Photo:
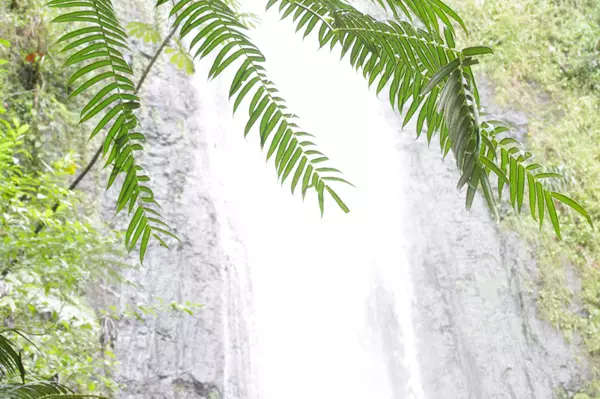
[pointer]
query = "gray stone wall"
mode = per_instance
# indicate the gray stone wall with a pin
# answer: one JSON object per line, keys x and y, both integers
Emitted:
{"x": 175, "y": 355}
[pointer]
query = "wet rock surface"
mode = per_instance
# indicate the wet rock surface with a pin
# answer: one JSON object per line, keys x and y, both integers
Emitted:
{"x": 475, "y": 312}
{"x": 475, "y": 308}
{"x": 175, "y": 355}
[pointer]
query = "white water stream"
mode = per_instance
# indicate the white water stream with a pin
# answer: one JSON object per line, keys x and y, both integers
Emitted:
{"x": 332, "y": 298}
{"x": 408, "y": 296}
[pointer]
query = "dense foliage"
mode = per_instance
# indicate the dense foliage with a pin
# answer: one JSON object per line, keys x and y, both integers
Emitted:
{"x": 54, "y": 251}
{"x": 46, "y": 273}
{"x": 49, "y": 254}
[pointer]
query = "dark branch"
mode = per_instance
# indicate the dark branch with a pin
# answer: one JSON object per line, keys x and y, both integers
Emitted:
{"x": 96, "y": 156}
{"x": 153, "y": 60}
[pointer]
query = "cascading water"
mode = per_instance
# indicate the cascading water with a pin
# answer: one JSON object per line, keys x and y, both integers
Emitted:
{"x": 408, "y": 296}
{"x": 332, "y": 297}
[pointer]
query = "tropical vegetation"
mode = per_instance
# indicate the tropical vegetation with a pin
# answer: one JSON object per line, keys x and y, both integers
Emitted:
{"x": 412, "y": 56}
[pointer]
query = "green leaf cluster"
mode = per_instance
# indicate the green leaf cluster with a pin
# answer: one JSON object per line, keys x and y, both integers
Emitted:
{"x": 181, "y": 58}
{"x": 214, "y": 27}
{"x": 428, "y": 77}
{"x": 44, "y": 276}
{"x": 145, "y": 31}
{"x": 11, "y": 364}
{"x": 412, "y": 55}
{"x": 96, "y": 46}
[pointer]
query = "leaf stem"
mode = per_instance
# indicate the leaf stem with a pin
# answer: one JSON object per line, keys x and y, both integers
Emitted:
{"x": 408, "y": 37}
{"x": 273, "y": 99}
{"x": 153, "y": 60}
{"x": 40, "y": 226}
{"x": 315, "y": 14}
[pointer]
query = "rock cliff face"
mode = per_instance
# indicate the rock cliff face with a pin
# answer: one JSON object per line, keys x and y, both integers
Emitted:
{"x": 475, "y": 309}
{"x": 176, "y": 355}
{"x": 476, "y": 334}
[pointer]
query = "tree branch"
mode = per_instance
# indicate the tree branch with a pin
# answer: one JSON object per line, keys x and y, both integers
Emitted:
{"x": 98, "y": 152}
{"x": 153, "y": 60}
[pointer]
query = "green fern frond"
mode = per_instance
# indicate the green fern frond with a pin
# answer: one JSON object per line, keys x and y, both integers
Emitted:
{"x": 390, "y": 53}
{"x": 424, "y": 71}
{"x": 426, "y": 77}
{"x": 393, "y": 54}
{"x": 40, "y": 390}
{"x": 459, "y": 129}
{"x": 214, "y": 27}
{"x": 503, "y": 156}
{"x": 10, "y": 359}
{"x": 433, "y": 14}
{"x": 95, "y": 44}
{"x": 11, "y": 364}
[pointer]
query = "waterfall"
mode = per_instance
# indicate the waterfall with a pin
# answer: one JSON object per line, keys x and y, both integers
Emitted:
{"x": 408, "y": 296}
{"x": 332, "y": 297}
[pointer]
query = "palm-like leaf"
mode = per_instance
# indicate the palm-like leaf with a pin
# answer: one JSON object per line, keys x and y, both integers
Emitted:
{"x": 431, "y": 13}
{"x": 95, "y": 45}
{"x": 10, "y": 359}
{"x": 40, "y": 390}
{"x": 214, "y": 27}
{"x": 11, "y": 364}
{"x": 423, "y": 67}
{"x": 502, "y": 155}
{"x": 413, "y": 55}
{"x": 37, "y": 390}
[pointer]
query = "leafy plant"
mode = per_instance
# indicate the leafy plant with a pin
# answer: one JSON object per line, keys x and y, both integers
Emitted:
{"x": 11, "y": 365}
{"x": 181, "y": 58}
{"x": 448, "y": 103}
{"x": 4, "y": 43}
{"x": 422, "y": 68}
{"x": 293, "y": 148}
{"x": 43, "y": 274}
{"x": 147, "y": 32}
{"x": 99, "y": 56}
{"x": 43, "y": 277}
{"x": 141, "y": 312}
